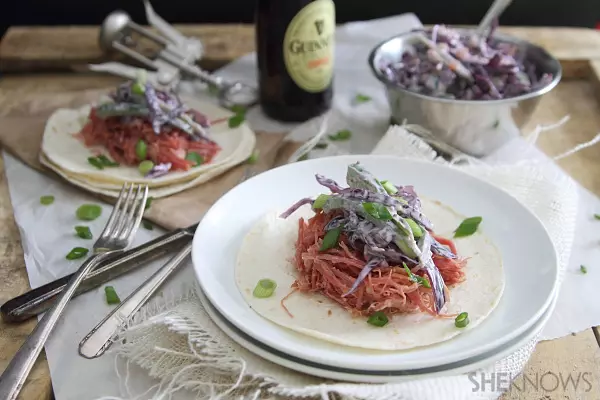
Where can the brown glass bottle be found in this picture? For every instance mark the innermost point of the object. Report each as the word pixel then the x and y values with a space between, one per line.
pixel 295 51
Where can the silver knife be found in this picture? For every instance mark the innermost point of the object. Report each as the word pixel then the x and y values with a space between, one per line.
pixel 40 299
pixel 99 339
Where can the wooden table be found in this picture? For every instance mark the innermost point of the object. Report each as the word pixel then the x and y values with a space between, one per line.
pixel 37 60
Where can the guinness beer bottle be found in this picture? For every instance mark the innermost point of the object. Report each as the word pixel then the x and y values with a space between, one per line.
pixel 295 49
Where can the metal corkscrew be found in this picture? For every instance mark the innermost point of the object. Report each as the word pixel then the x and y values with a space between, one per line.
pixel 116 34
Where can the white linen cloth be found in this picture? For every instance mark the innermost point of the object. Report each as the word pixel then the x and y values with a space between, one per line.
pixel 159 338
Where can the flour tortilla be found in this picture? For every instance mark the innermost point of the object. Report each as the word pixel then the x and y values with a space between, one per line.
pixel 67 153
pixel 241 154
pixel 270 244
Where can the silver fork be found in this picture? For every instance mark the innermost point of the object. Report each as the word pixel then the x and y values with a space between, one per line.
pixel 101 337
pixel 116 236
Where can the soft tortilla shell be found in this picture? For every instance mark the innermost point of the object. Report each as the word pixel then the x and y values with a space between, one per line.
pixel 65 151
pixel 241 154
pixel 270 245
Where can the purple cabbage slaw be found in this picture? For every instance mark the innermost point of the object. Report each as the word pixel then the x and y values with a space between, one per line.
pixel 160 107
pixel 375 220
pixel 500 69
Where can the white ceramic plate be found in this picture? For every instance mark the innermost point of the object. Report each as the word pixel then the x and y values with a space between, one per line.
pixel 354 375
pixel 530 261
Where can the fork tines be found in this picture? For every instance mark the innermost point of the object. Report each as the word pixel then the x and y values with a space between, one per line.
pixel 127 212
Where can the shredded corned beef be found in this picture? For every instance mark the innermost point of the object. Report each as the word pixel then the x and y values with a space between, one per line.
pixel 332 273
pixel 120 135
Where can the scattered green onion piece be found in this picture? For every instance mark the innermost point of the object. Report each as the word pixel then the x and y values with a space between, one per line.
pixel 467 227
pixel 320 201
pixel 107 162
pixel 331 238
pixel 145 166
pixel 239 117
pixel 111 295
pixel 196 158
pixel 77 252
pixel 389 187
pixel 583 269
pixel 414 227
pixel 88 212
pixel 95 162
pixel 83 232
pixel 344 134
pixel 378 319
pixel 253 157
pixel 303 157
pixel 361 98
pixel 141 149
pixel 416 278
pixel 597 216
pixel 147 225
pixel 148 202
pixel 462 320
pixel 321 145
pixel 46 200
pixel 264 288
pixel 377 211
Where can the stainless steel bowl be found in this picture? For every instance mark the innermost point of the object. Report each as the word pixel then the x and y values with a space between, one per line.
pixel 476 127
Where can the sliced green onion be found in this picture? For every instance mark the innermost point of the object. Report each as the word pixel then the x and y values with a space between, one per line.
pixel 236 120
pixel 196 158
pixel 88 212
pixel 145 166
pixel 320 201
pixel 344 134
pixel 331 238
pixel 46 200
pixel 389 187
pixel 321 145
pixel 377 211
pixel 253 157
pixel 147 225
pixel 414 227
pixel 462 320
pixel 76 253
pixel 378 319
pixel 361 98
pixel 583 269
pixel 148 202
pixel 83 232
pixel 95 162
pixel 264 288
pixel 597 216
pixel 111 295
pixel 416 278
pixel 138 88
pixel 107 162
pixel 141 150
pixel 303 157
pixel 467 227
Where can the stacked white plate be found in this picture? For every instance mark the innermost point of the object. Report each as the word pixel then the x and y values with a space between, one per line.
pixel 529 261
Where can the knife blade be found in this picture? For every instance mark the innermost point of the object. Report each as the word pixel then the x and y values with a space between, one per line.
pixel 40 299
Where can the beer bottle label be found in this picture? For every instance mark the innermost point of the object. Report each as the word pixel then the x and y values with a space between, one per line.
pixel 308 46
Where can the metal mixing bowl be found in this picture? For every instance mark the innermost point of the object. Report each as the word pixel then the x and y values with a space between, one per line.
pixel 476 127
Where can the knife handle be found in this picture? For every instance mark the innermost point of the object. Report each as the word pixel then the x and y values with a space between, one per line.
pixel 95 343
pixel 40 299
